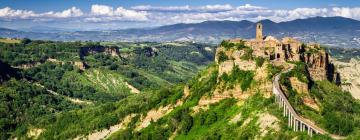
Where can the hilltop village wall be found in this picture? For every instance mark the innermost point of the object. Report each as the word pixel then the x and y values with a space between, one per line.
pixel 290 49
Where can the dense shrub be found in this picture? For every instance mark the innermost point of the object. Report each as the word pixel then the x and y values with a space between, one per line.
pixel 259 61
pixel 222 57
pixel 245 78
pixel 272 71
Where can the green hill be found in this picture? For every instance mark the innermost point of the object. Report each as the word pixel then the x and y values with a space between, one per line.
pixel 83 90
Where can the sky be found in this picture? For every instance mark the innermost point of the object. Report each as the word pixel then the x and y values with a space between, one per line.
pixel 121 14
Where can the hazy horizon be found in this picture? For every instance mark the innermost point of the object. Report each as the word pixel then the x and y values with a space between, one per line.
pixel 110 15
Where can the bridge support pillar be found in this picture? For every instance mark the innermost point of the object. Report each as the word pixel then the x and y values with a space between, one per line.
pixel 284 109
pixel 301 127
pixel 289 120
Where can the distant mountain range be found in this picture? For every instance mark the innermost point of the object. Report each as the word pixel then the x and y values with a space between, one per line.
pixel 332 31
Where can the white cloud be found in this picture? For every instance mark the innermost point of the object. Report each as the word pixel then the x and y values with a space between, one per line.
pixel 101 10
pixel 161 8
pixel 249 7
pixel 346 12
pixel 11 14
pixel 225 7
pixel 72 12
pixel 150 15
pixel 104 13
pixel 186 8
pixel 7 12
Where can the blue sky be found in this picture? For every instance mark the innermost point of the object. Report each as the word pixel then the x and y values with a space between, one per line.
pixel 47 5
pixel 118 14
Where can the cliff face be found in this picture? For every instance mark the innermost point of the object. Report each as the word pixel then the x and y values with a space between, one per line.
pixel 319 65
pixel 279 52
pixel 113 51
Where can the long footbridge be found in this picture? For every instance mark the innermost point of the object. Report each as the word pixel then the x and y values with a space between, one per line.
pixel 295 121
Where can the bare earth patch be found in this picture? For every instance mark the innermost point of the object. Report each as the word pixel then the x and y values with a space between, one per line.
pixel 103 134
pixel 153 115
pixel 156 114
pixel 311 103
pixel 74 100
pixel 34 133
pixel 235 119
pixel 132 88
pixel 267 122
pixel 219 95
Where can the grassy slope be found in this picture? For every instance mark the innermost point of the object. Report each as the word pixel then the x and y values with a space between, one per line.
pixel 105 80
pixel 9 40
pixel 214 122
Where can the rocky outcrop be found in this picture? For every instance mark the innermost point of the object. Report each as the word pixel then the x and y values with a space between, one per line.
pixel 227 66
pixel 299 86
pixel 81 65
pixel 84 51
pixel 318 64
pixel 350 74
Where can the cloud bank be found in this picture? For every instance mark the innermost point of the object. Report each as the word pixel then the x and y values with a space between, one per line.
pixel 163 15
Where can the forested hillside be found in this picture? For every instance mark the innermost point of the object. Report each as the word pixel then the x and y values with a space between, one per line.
pixel 45 81
pixel 146 90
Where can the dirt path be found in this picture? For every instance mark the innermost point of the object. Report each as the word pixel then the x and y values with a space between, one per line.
pixel 74 100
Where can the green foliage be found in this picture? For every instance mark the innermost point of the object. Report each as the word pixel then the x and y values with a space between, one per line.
pixel 248 54
pixel 38 51
pixel 300 72
pixel 146 66
pixel 212 123
pixel 105 115
pixel 65 80
pixel 245 78
pixel 25 41
pixel 259 61
pixel 24 105
pixel 228 45
pixel 273 70
pixel 222 57
pixel 339 109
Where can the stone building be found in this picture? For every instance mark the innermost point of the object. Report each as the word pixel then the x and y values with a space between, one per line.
pixel 270 47
pixel 290 49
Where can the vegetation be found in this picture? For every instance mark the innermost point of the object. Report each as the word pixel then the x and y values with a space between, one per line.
pixel 244 78
pixel 338 112
pixel 105 115
pixel 24 106
pixel 273 70
pixel 259 61
pixel 222 57
pixel 7 40
pixel 228 45
pixel 160 71
pixel 49 65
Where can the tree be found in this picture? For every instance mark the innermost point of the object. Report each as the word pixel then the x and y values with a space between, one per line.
pixel 25 41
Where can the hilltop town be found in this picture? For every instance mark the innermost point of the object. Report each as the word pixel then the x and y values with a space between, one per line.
pixel 278 52
pixel 303 66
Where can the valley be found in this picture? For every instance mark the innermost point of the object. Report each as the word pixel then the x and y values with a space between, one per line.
pixel 178 90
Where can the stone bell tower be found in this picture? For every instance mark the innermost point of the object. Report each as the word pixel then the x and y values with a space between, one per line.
pixel 259 35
